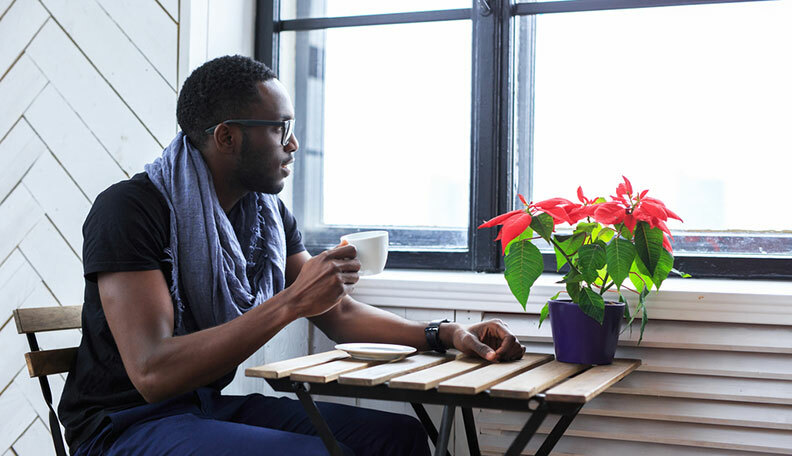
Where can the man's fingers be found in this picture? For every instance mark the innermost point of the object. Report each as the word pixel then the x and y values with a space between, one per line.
pixel 515 352
pixel 501 329
pixel 348 265
pixel 510 349
pixel 350 278
pixel 348 288
pixel 507 345
pixel 481 349
pixel 342 251
pixel 496 334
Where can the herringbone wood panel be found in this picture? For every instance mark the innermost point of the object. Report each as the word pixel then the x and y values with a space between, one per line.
pixel 88 91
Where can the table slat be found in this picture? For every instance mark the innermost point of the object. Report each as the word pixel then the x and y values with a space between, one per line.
pixel 528 384
pixel 382 373
pixel 431 377
pixel 480 379
pixel 589 384
pixel 325 373
pixel 283 368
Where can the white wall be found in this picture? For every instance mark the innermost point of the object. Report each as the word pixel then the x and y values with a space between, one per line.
pixel 88 96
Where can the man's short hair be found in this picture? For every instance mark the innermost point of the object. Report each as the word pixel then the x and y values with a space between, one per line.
pixel 219 90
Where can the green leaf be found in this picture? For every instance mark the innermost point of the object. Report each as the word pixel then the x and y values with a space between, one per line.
pixel 591 258
pixel 562 237
pixel 572 277
pixel 664 266
pixel 639 266
pixel 573 289
pixel 523 266
pixel 527 234
pixel 627 315
pixel 606 234
pixel 619 255
pixel 586 227
pixel 545 312
pixel 592 304
pixel 625 232
pixel 600 200
pixel 637 273
pixel 570 246
pixel 543 224
pixel 603 233
pixel 648 245
pixel 684 275
pixel 644 313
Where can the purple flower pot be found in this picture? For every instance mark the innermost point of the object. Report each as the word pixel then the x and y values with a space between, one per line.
pixel 579 338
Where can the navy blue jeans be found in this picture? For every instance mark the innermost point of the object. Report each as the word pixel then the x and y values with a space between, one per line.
pixel 205 422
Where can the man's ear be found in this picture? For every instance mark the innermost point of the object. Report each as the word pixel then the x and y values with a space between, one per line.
pixel 224 139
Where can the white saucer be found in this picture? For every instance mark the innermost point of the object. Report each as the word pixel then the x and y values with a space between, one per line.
pixel 376 352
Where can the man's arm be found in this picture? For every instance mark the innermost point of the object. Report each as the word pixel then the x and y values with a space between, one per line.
pixel 139 312
pixel 353 321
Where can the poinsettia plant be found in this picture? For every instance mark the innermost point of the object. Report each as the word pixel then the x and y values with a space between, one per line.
pixel 618 244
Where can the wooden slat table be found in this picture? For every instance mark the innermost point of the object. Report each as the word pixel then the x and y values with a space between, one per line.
pixel 536 384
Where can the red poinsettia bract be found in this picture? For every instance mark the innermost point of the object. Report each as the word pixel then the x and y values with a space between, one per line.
pixel 624 208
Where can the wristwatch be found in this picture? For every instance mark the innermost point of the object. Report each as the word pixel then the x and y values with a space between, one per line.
pixel 432 332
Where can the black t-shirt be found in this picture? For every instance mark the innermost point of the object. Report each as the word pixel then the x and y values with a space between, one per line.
pixel 127 229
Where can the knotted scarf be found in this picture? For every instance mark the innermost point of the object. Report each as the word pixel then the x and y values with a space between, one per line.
pixel 226 264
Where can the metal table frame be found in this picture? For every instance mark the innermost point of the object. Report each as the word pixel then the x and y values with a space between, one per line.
pixel 537 406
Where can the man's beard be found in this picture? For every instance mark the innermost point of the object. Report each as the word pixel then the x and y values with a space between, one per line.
pixel 252 173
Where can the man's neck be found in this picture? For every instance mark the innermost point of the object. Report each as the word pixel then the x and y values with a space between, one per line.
pixel 227 192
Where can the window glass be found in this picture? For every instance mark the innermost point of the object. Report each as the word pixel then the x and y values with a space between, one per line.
pixel 691 102
pixel 383 119
pixel 300 9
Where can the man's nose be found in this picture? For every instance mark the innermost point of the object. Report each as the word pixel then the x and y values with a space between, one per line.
pixel 293 145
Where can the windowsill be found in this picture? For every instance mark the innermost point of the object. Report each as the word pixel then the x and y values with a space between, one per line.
pixel 720 300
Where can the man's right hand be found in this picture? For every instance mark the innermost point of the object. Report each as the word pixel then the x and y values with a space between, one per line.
pixel 324 280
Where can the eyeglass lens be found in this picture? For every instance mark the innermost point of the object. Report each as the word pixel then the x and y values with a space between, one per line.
pixel 288 130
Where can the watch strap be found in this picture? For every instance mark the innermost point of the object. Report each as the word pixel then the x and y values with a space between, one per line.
pixel 432 333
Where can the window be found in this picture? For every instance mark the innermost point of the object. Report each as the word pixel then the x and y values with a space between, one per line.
pixel 426 121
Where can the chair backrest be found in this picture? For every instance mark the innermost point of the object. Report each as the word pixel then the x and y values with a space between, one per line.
pixel 39 319
pixel 41 363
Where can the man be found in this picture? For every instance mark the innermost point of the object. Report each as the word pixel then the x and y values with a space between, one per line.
pixel 195 264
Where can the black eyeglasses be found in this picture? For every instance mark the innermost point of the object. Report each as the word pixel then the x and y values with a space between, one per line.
pixel 287 127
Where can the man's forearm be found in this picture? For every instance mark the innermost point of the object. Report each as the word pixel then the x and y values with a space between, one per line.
pixel 353 321
pixel 182 363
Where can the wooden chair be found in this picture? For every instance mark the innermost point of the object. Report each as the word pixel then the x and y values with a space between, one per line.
pixel 41 363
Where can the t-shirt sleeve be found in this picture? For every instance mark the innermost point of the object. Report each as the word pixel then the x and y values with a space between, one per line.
pixel 294 243
pixel 125 231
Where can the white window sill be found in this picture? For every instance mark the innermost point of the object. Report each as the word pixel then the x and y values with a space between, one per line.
pixel 718 300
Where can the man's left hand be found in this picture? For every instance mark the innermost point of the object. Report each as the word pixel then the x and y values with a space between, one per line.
pixel 490 340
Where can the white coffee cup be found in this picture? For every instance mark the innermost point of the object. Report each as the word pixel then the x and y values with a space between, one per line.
pixel 372 250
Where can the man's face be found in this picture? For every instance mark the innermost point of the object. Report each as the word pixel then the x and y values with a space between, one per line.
pixel 262 161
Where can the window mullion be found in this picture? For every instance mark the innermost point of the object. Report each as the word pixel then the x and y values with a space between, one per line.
pixel 490 157
pixel 266 37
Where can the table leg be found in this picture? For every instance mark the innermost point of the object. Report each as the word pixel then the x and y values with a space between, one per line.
pixel 428 425
pixel 316 419
pixel 441 447
pixel 556 433
pixel 470 431
pixel 527 432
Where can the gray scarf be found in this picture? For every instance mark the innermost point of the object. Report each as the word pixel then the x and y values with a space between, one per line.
pixel 226 264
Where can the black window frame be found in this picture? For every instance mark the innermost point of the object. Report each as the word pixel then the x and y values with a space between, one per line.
pixel 491 189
